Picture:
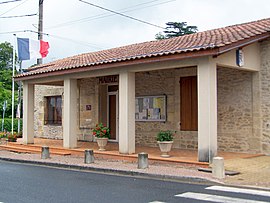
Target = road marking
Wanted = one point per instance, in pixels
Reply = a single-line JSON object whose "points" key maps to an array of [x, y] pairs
{"points": [[215, 198], [239, 190], [157, 202]]}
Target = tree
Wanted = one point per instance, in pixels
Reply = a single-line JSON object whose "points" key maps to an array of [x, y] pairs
{"points": [[6, 53], [175, 29], [6, 57]]}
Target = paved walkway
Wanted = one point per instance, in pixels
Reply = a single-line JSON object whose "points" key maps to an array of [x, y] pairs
{"points": [[253, 171], [177, 155]]}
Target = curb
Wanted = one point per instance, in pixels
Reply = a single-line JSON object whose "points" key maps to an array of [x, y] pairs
{"points": [[116, 171]]}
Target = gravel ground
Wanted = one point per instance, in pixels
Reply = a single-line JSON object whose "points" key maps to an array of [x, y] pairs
{"points": [[253, 171], [180, 172]]}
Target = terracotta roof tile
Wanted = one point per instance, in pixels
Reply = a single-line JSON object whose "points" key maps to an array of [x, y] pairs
{"points": [[211, 39]]}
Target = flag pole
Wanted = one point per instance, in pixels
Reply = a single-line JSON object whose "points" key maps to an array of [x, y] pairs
{"points": [[40, 26], [13, 74], [19, 101]]}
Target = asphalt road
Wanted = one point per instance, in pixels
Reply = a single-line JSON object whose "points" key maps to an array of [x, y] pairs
{"points": [[30, 183]]}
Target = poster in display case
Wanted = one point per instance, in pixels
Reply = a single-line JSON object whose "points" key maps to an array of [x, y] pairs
{"points": [[150, 108]]}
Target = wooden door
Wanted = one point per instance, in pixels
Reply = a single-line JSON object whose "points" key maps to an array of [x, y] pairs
{"points": [[112, 116], [189, 103]]}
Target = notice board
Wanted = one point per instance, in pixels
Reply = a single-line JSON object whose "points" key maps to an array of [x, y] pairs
{"points": [[150, 108]]}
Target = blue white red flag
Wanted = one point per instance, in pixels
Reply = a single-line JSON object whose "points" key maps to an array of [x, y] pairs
{"points": [[28, 48]]}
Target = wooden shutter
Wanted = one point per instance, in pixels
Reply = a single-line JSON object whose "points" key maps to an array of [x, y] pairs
{"points": [[188, 103]]}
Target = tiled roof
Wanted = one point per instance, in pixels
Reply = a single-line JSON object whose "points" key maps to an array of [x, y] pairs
{"points": [[216, 39]]}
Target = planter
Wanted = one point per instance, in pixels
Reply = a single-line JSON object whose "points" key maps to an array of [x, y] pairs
{"points": [[102, 142], [165, 147], [12, 139]]}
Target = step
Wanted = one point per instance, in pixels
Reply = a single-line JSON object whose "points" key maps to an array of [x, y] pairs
{"points": [[32, 146], [24, 148]]}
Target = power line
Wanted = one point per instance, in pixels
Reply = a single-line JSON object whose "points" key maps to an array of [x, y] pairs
{"points": [[121, 14], [95, 46], [14, 7], [12, 32], [103, 15], [20, 16], [11, 1], [78, 42]]}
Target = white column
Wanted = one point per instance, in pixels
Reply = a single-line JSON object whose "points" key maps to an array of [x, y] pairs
{"points": [[70, 113], [127, 113], [207, 110], [28, 113]]}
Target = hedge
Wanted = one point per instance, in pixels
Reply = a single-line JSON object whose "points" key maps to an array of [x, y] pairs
{"points": [[7, 124]]}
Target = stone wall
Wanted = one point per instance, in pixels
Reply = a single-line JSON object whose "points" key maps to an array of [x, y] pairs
{"points": [[87, 117], [234, 109], [41, 130], [160, 83], [88, 114], [151, 84], [265, 95]]}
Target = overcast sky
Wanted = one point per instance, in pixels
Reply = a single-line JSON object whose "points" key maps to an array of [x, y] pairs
{"points": [[75, 27]]}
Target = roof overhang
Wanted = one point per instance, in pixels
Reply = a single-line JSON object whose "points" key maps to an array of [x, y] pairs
{"points": [[124, 63], [133, 61]]}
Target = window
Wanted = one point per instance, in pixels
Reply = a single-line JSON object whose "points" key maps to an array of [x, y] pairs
{"points": [[53, 110], [189, 103]]}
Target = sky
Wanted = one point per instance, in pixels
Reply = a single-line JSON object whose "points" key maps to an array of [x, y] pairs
{"points": [[73, 27]]}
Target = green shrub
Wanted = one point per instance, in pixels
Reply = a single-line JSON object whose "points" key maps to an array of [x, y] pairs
{"points": [[165, 136], [7, 124]]}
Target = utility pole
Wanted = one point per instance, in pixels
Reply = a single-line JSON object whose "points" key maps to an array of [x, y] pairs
{"points": [[40, 25]]}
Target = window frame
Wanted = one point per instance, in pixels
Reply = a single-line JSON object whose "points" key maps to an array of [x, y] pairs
{"points": [[56, 110]]}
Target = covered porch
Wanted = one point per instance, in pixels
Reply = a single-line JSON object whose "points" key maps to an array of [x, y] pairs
{"points": [[79, 92]]}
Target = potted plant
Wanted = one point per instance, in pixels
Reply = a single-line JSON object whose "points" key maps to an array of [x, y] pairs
{"points": [[165, 141], [102, 134], [12, 137]]}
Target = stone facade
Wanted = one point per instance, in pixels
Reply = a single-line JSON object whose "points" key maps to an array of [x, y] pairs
{"points": [[234, 109], [88, 113], [265, 95], [88, 95], [243, 107], [41, 130], [164, 82]]}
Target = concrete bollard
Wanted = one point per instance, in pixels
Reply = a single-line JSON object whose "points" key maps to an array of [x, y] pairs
{"points": [[143, 160], [88, 156], [218, 170], [45, 153]]}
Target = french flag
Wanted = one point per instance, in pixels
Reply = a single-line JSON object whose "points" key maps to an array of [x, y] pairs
{"points": [[28, 48]]}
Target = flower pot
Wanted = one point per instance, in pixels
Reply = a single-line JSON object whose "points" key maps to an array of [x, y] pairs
{"points": [[12, 139], [165, 147], [102, 142]]}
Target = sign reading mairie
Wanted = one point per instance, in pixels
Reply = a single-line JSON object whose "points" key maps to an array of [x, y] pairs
{"points": [[108, 79]]}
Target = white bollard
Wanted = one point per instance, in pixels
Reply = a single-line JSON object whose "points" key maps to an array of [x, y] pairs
{"points": [[88, 156], [218, 170], [142, 160], [45, 153]]}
